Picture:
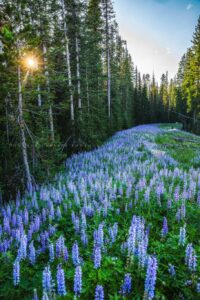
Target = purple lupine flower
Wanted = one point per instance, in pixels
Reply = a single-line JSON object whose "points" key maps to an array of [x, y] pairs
{"points": [[60, 244], [183, 211], [73, 216], [37, 224], [45, 296], [83, 220], [51, 230], [19, 221], [35, 296], [84, 237], [150, 280], [44, 215], [51, 252], [131, 239], [115, 229], [14, 220], [16, 272], [198, 287], [182, 236], [165, 227], [169, 203], [142, 252], [17, 235], [99, 293], [65, 254], [22, 251], [51, 212], [26, 216], [6, 224], [97, 257], [178, 215], [30, 234], [100, 235], [32, 256], [188, 282], [176, 193], [147, 195], [190, 258], [172, 270], [123, 247], [75, 254], [43, 239], [78, 281], [193, 261], [47, 279], [127, 284], [77, 225], [58, 213], [113, 232], [61, 281]]}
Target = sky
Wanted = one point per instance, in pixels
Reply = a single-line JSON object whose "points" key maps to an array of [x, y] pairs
{"points": [[158, 32]]}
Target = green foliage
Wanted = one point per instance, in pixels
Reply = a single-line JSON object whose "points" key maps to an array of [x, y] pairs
{"points": [[182, 147], [51, 135], [7, 34]]}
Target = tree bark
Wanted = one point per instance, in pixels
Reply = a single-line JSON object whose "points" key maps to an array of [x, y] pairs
{"points": [[7, 124], [68, 63], [50, 111], [39, 95], [87, 92], [22, 131], [78, 74], [109, 83], [108, 62]]}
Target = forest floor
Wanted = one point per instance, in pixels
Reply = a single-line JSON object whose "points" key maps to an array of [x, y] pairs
{"points": [[125, 216]]}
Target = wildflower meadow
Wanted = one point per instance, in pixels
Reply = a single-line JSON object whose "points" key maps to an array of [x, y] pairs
{"points": [[121, 222]]}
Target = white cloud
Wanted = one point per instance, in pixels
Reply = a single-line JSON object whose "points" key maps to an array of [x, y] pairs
{"points": [[189, 6]]}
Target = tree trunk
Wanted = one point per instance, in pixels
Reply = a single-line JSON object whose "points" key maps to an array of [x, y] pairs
{"points": [[78, 74], [7, 124], [39, 95], [68, 64], [108, 63], [51, 122], [22, 131], [87, 92], [108, 83], [194, 117]]}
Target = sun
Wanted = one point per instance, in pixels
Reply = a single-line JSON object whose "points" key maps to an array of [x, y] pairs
{"points": [[31, 62]]}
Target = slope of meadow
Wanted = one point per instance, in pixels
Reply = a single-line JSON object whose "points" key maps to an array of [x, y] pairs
{"points": [[122, 222]]}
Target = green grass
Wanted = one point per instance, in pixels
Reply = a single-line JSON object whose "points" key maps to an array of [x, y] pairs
{"points": [[180, 145], [169, 126]]}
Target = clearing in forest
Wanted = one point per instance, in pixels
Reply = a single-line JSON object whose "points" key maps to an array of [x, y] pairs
{"points": [[121, 222]]}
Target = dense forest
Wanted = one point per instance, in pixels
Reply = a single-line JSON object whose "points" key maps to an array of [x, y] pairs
{"points": [[68, 83]]}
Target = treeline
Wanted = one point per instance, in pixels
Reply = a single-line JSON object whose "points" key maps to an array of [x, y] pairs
{"points": [[68, 83], [186, 94], [172, 100]]}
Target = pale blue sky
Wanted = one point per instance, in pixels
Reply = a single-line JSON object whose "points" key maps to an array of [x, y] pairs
{"points": [[158, 32]]}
